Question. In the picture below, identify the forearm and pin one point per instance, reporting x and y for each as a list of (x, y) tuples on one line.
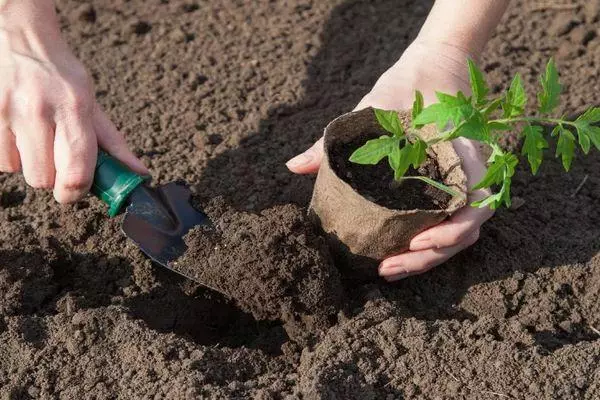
[(466, 24)]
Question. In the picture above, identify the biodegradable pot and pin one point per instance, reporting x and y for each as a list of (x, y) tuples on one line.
[(361, 232)]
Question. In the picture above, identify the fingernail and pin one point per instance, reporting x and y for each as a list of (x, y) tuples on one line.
[(383, 268), (140, 165), (300, 159)]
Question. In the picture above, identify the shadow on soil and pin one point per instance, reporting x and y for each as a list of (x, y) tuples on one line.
[(56, 280), (547, 231)]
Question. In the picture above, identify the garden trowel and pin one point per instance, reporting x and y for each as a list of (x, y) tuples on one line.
[(156, 218)]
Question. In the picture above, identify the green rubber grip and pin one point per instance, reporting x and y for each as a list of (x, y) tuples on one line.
[(114, 182)]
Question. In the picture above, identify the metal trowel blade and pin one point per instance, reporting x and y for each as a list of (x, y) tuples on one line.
[(158, 218)]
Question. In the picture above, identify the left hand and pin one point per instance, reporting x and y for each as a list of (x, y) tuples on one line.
[(428, 67)]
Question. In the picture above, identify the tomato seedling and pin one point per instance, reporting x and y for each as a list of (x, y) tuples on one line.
[(483, 119)]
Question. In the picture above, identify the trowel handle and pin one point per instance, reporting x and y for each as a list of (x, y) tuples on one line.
[(114, 182)]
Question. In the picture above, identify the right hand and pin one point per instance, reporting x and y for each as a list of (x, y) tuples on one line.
[(50, 123)]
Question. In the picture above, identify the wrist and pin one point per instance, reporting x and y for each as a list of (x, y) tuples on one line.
[(465, 24), (457, 47)]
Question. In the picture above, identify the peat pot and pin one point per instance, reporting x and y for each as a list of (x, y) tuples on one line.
[(362, 230)]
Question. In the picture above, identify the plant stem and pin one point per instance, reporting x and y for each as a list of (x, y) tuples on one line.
[(534, 119)]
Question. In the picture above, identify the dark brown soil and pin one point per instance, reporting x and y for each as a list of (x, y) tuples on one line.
[(376, 182), (272, 265), (221, 93)]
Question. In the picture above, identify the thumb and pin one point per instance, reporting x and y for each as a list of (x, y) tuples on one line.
[(309, 161)]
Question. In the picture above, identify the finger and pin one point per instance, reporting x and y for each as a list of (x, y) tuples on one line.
[(9, 155), (112, 141), (75, 150), (35, 143), (417, 262), (309, 161), (451, 232)]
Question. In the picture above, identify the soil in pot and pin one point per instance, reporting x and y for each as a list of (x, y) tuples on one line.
[(271, 264), (376, 182)]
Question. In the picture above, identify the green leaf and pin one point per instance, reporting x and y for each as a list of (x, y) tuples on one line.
[(436, 184), (586, 132), (551, 88), (494, 201), (418, 153), (390, 121), (591, 115), (474, 128), (449, 109), (516, 99), (375, 150), (496, 152), (492, 106), (400, 160), (418, 106), (498, 126), (565, 147), (412, 153), (478, 85), (502, 167), (534, 146)]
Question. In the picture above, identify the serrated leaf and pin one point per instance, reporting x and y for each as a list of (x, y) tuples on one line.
[(493, 175), (515, 100), (502, 167), (587, 134), (374, 150), (565, 147), (594, 134), (418, 106), (591, 115), (474, 128), (390, 121), (412, 153), (549, 96), (492, 106), (400, 160), (418, 153), (584, 140), (498, 126), (449, 109), (534, 146), (496, 152), (495, 200), (478, 84)]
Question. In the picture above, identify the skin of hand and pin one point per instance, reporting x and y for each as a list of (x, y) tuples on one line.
[(435, 61), (50, 123)]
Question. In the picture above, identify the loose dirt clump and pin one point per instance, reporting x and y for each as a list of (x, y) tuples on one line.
[(272, 264)]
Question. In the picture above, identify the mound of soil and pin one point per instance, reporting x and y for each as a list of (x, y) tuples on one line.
[(221, 94), (273, 265)]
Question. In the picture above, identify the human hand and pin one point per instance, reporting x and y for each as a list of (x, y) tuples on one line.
[(428, 67), (50, 123)]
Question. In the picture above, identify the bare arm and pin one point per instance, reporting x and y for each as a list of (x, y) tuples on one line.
[(467, 24)]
